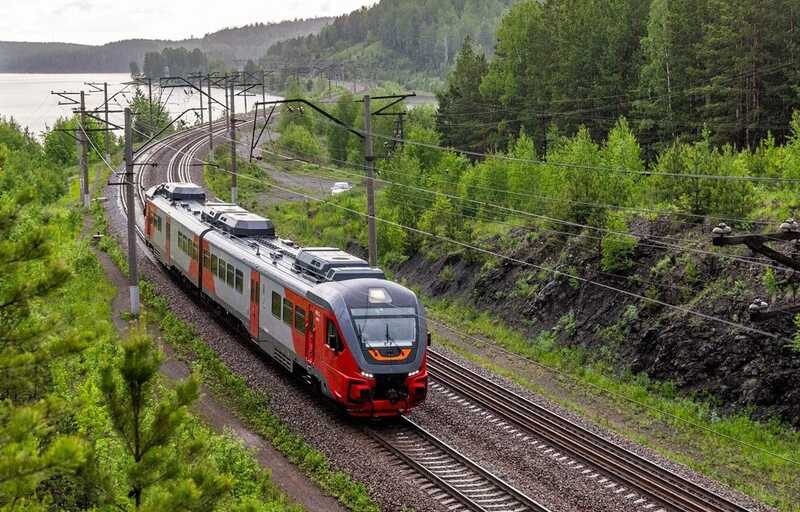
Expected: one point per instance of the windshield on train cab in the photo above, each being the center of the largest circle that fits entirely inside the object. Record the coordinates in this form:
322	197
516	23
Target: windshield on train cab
380	327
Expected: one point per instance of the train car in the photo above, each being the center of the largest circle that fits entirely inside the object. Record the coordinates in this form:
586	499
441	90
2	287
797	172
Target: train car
320	312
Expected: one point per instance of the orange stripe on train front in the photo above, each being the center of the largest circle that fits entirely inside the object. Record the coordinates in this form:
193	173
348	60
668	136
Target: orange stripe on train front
403	355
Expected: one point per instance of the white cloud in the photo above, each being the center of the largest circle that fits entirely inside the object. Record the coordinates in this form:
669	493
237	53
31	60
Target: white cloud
102	21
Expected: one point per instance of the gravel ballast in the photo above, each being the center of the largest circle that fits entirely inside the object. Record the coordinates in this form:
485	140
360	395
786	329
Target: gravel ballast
555	481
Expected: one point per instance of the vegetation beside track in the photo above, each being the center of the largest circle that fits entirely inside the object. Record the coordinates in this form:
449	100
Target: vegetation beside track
651	412
63	447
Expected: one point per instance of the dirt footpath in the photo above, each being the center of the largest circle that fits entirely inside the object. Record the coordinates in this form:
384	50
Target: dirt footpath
284	474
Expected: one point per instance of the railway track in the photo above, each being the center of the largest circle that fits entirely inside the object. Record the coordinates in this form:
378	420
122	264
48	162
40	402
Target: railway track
571	440
444	473
448	476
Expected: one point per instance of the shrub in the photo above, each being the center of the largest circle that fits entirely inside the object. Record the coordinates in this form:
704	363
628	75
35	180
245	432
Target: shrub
617	247
299	139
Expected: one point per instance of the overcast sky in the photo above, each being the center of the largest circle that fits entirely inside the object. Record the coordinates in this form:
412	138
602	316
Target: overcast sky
102	21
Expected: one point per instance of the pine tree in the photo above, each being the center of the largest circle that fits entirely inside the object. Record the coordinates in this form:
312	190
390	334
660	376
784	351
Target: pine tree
149	119
456	119
338	137
31	339
149	425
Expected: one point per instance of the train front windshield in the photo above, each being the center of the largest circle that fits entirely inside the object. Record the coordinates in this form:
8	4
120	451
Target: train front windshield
386	327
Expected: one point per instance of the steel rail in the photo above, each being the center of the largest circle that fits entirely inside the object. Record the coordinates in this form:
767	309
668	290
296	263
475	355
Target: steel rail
465	484
629	468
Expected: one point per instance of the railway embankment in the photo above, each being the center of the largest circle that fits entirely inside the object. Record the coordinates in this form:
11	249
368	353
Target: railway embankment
704	395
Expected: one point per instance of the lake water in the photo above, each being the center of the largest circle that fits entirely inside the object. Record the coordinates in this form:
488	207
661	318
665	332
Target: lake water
27	98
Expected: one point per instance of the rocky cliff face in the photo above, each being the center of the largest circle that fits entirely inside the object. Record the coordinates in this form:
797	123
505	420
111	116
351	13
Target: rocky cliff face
734	367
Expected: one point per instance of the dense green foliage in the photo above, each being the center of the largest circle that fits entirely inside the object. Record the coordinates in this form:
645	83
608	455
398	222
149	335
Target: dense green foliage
174	62
84	422
673	68
396	39
149	118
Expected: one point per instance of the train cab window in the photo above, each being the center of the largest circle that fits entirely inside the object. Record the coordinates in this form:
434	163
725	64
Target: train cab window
288	308
230	276
214	265
332	338
300	319
276	305
222	268
239	281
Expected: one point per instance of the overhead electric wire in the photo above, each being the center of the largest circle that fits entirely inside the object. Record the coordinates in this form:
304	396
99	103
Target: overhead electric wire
684	310
511	259
653	239
566	165
559	200
550	198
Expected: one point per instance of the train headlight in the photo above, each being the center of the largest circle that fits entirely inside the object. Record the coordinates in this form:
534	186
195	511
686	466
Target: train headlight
367	375
414	373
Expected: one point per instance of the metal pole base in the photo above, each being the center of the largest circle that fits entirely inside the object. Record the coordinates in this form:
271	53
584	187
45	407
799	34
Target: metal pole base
234	195
135	307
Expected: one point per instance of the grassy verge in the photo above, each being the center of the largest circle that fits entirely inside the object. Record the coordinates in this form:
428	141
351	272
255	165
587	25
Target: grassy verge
251	406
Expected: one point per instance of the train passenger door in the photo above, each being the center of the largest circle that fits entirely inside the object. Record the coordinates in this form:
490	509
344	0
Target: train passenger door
310	333
168	243
255	301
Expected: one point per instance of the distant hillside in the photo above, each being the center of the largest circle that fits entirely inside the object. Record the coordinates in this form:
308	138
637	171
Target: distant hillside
398	39
229	44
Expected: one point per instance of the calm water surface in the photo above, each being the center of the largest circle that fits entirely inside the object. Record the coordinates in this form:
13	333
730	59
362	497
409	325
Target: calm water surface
27	98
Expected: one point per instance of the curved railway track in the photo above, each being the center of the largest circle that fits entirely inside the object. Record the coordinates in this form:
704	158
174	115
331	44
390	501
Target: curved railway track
447	475
569	439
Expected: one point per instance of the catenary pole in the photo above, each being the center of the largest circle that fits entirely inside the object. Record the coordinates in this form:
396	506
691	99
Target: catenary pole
84	142
108	133
369	156
210	121
232	121
133	271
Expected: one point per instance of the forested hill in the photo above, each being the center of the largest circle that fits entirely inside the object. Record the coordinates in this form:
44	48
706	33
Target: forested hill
397	38
248	42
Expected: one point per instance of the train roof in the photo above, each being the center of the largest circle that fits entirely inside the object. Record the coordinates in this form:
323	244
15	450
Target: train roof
253	239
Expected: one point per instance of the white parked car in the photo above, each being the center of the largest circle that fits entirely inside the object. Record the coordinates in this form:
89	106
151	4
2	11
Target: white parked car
341	187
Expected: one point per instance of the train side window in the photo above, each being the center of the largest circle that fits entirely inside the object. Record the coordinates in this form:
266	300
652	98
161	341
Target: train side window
300	319
214	265
222	267
230	277
157	222
333	340
288	308
206	260
276	305
239	281
195	252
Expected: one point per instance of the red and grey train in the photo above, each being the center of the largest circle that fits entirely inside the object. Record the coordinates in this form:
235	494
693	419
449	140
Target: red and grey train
319	311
